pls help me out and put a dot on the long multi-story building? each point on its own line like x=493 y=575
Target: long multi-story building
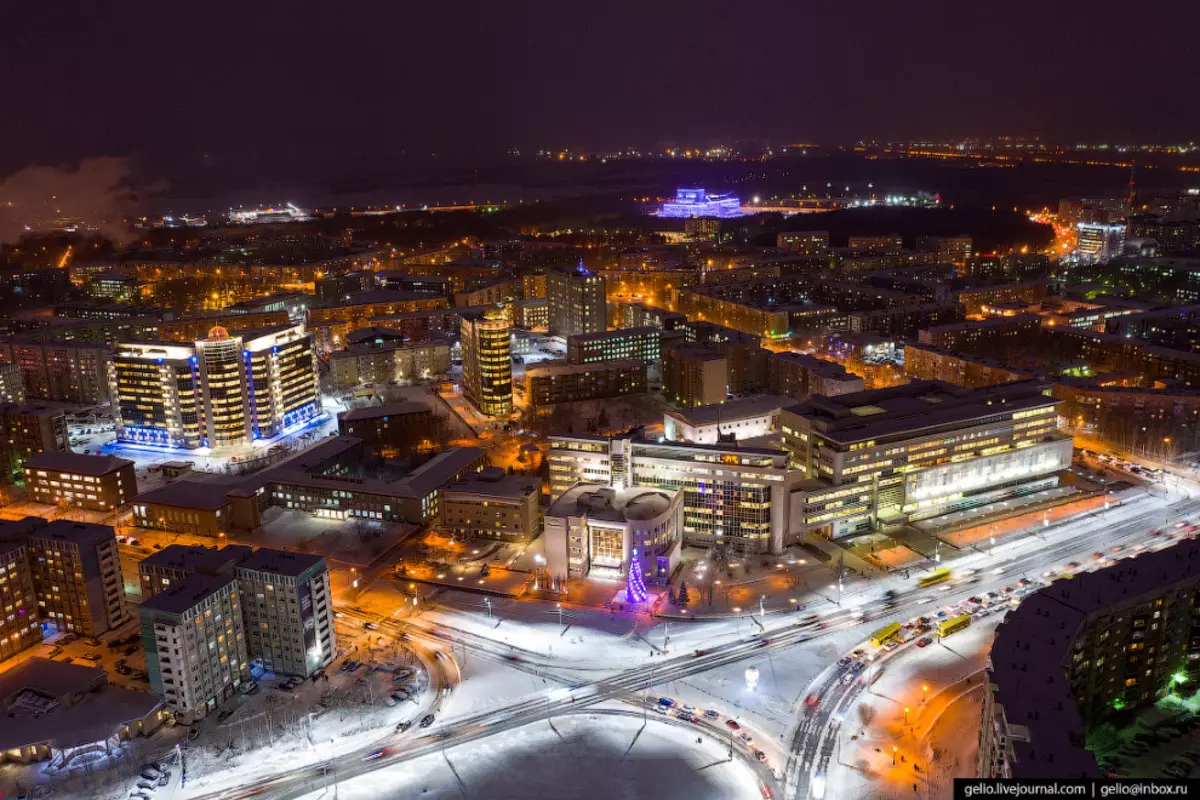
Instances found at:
x=639 y=315
x=221 y=391
x=487 y=362
x=973 y=299
x=492 y=505
x=288 y=610
x=733 y=496
x=69 y=372
x=195 y=643
x=550 y=383
x=904 y=321
x=617 y=345
x=925 y=362
x=75 y=480
x=390 y=361
x=361 y=307
x=77 y=576
x=918 y=451
x=800 y=376
x=1077 y=652
x=807 y=243
x=577 y=301
x=992 y=336
x=329 y=480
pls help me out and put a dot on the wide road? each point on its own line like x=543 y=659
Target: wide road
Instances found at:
x=815 y=737
x=1031 y=555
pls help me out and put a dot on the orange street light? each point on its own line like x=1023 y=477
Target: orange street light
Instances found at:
x=894 y=748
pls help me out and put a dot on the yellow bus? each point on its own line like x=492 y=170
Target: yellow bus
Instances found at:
x=882 y=636
x=937 y=576
x=949 y=626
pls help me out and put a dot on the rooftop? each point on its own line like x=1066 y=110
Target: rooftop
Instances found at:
x=731 y=410
x=547 y=369
x=635 y=504
x=369 y=296
x=83 y=534
x=392 y=410
x=65 y=705
x=913 y=408
x=186 y=594
x=494 y=482
x=66 y=461
x=195 y=558
x=280 y=562
x=828 y=369
x=1036 y=638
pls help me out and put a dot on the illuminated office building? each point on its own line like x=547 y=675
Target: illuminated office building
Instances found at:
x=918 y=451
x=1099 y=241
x=221 y=391
x=734 y=496
x=576 y=300
x=487 y=362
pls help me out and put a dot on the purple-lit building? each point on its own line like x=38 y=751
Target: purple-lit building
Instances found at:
x=699 y=203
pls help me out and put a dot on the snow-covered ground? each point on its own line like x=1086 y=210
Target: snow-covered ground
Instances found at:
x=582 y=755
x=939 y=732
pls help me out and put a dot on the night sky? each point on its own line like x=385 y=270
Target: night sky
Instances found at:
x=182 y=84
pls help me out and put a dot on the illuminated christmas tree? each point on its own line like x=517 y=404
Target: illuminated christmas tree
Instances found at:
x=635 y=590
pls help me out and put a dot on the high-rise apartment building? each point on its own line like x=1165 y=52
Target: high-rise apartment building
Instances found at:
x=1079 y=651
x=12 y=386
x=70 y=372
x=221 y=391
x=288 y=611
x=487 y=362
x=577 y=301
x=77 y=576
x=195 y=643
x=20 y=626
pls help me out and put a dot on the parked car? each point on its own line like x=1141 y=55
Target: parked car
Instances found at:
x=403 y=726
x=426 y=720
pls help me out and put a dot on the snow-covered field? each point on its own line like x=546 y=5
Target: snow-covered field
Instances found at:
x=583 y=755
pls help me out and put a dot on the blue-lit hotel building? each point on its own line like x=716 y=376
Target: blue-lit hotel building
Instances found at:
x=699 y=203
x=219 y=392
